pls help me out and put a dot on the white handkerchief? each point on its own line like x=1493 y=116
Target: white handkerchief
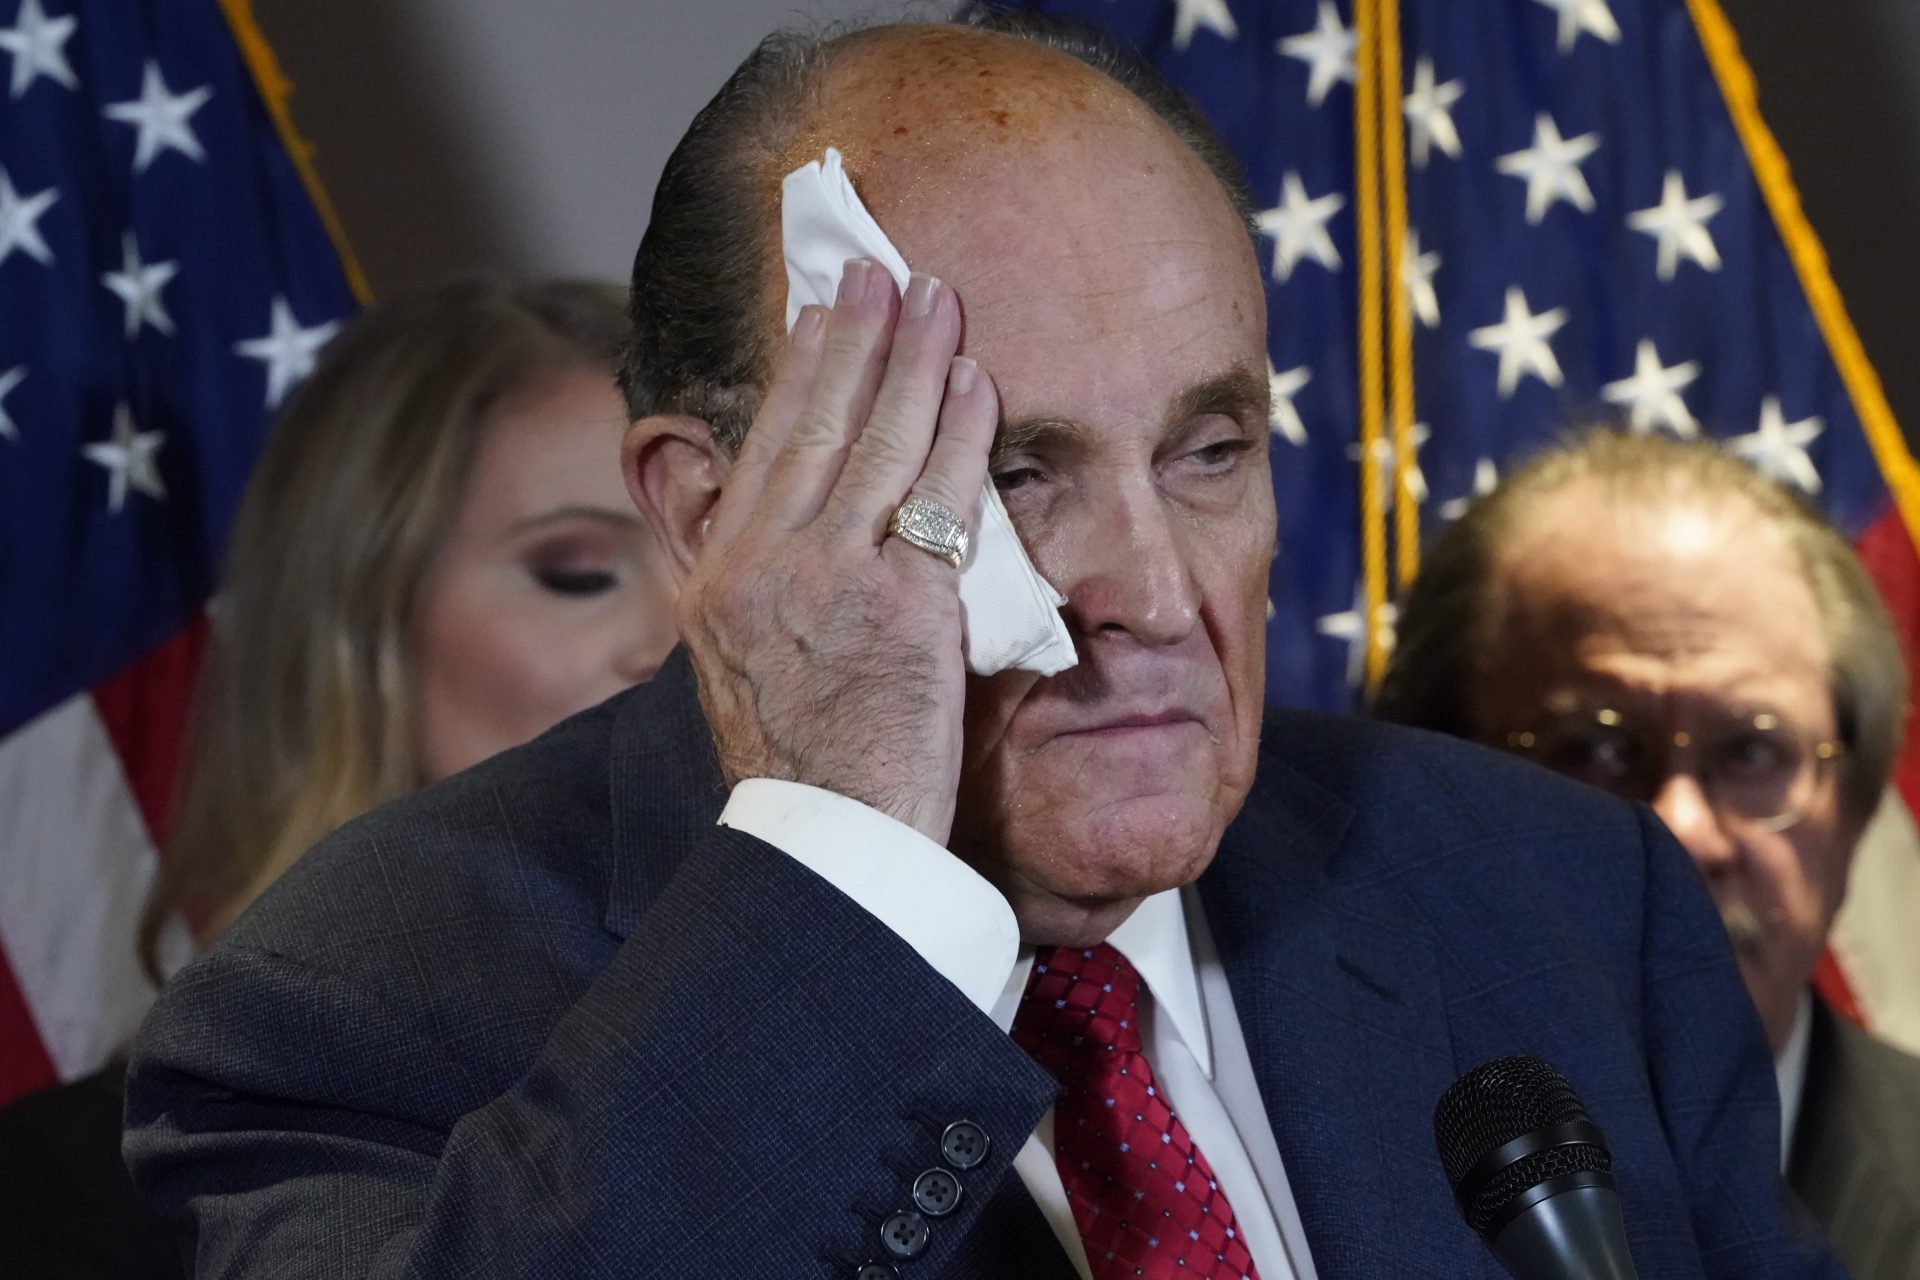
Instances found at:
x=1012 y=614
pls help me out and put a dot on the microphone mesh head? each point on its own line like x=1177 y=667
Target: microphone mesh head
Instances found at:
x=1492 y=1105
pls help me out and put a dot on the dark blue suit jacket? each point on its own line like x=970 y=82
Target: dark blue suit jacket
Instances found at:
x=548 y=1020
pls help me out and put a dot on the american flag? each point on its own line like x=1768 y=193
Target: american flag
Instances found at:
x=167 y=276
x=1596 y=226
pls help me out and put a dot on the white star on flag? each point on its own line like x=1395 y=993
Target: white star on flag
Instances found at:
x=1191 y=15
x=1298 y=226
x=1384 y=451
x=1351 y=626
x=286 y=349
x=162 y=119
x=20 y=221
x=1486 y=478
x=128 y=458
x=1429 y=110
x=139 y=287
x=1416 y=276
x=1652 y=394
x=1551 y=167
x=1590 y=16
x=1283 y=419
x=1779 y=447
x=1327 y=50
x=1680 y=226
x=1521 y=339
x=38 y=46
x=8 y=381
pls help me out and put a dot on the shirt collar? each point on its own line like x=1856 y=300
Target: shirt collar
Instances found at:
x=1154 y=939
x=1790 y=1073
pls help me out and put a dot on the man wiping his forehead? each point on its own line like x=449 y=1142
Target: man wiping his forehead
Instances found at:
x=825 y=954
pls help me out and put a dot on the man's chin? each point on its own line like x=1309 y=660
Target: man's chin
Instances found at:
x=1074 y=888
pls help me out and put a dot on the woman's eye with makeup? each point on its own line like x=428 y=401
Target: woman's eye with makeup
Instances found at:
x=576 y=582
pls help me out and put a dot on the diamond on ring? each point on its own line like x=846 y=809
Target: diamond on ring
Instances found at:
x=935 y=529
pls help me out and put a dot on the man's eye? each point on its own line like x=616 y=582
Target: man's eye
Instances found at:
x=570 y=582
x=1220 y=454
x=1597 y=759
x=1758 y=755
x=1014 y=478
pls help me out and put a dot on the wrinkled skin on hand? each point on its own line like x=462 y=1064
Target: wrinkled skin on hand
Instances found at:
x=827 y=652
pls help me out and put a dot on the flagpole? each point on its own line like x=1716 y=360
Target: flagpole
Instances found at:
x=271 y=83
x=1393 y=169
x=1366 y=190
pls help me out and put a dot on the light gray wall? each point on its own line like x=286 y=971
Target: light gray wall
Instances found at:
x=518 y=134
x=526 y=134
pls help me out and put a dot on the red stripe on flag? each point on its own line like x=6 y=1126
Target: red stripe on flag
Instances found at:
x=1886 y=548
x=1830 y=983
x=1888 y=553
x=144 y=709
x=24 y=1064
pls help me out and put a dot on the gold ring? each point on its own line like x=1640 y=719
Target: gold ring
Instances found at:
x=935 y=529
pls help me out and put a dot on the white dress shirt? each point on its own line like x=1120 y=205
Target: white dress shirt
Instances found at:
x=963 y=927
x=1790 y=1073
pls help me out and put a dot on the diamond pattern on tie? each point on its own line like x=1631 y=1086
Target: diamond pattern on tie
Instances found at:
x=1143 y=1196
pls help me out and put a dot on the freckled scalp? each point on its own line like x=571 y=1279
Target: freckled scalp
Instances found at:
x=911 y=106
x=905 y=93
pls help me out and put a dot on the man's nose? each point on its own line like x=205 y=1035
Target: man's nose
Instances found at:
x=1133 y=573
x=1682 y=804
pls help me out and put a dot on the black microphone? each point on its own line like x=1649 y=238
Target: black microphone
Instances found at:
x=1531 y=1172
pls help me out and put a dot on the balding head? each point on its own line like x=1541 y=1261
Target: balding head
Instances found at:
x=920 y=112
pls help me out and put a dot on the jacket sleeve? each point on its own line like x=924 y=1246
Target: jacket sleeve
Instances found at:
x=1713 y=1079
x=748 y=1087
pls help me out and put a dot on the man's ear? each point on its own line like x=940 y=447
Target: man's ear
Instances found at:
x=674 y=473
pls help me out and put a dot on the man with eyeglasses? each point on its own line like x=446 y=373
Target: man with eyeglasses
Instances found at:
x=1661 y=620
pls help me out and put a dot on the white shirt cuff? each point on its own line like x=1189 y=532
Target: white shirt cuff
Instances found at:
x=941 y=907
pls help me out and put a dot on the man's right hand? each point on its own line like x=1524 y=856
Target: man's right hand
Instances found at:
x=827 y=652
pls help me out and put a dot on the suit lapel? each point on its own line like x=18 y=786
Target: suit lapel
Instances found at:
x=1344 y=1020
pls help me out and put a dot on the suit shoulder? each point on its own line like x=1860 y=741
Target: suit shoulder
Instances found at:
x=1410 y=778
x=1882 y=1085
x=531 y=822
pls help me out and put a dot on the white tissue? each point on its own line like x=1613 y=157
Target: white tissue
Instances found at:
x=1012 y=614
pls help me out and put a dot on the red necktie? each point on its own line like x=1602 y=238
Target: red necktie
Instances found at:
x=1143 y=1196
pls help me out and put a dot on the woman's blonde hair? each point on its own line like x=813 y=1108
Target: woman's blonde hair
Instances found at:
x=304 y=709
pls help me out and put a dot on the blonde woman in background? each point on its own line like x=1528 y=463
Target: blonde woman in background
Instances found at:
x=435 y=560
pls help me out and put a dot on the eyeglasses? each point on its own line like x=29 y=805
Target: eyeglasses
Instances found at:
x=1757 y=767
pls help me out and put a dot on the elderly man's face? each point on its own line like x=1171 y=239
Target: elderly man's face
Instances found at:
x=1673 y=652
x=1115 y=300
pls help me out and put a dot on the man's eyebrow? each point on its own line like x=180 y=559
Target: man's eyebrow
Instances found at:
x=1025 y=433
x=1240 y=393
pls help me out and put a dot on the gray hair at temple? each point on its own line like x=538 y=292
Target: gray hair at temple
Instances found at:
x=702 y=309
x=1443 y=625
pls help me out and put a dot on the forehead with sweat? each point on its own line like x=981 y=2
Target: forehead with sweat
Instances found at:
x=958 y=128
